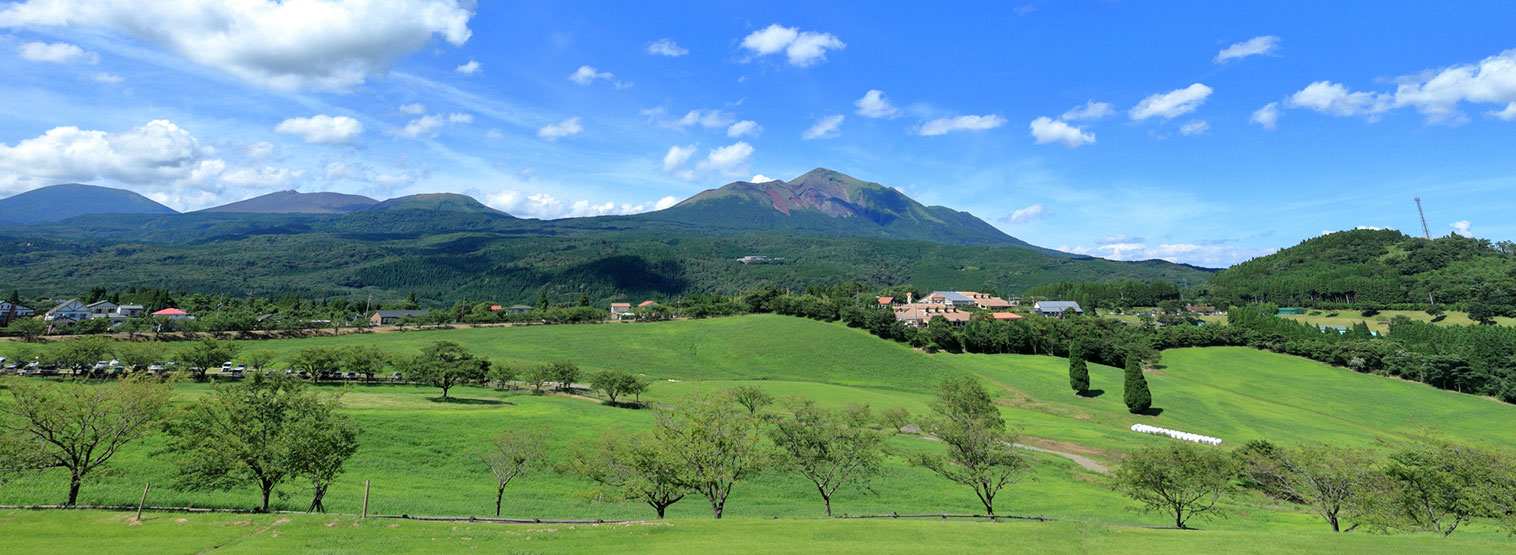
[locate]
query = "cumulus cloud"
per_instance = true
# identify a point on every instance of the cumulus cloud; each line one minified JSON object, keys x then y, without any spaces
{"x":266,"y":177}
{"x":1048,"y":130}
{"x":427,"y":126}
{"x":555,"y":131}
{"x":156,"y":155}
{"x":730,"y":160}
{"x":323,"y":129}
{"x":801,"y":48}
{"x":1436,"y":94}
{"x":677,"y":156}
{"x":1267,"y":116}
{"x":470,"y":68}
{"x":1463,"y":228}
{"x":960,"y":123}
{"x":666,"y":47}
{"x":548,"y":207}
{"x":874,"y":105}
{"x":58,"y":53}
{"x":1255,"y":46}
{"x":586,"y":75}
{"x":828,"y":127}
{"x":1028,"y":214}
{"x":1171,"y":104}
{"x":1090,"y":110}
{"x":1194,"y":127}
{"x":333,"y":45}
{"x":744,"y":128}
{"x":760,"y":178}
{"x":1214,"y":256}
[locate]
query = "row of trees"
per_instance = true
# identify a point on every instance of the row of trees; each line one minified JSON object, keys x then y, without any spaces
{"x":264,"y":432}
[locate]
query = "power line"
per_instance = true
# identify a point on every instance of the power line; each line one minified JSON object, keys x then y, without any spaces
{"x":1423,"y":214}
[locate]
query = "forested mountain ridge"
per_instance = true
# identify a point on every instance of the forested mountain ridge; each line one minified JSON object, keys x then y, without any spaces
{"x":294,"y":202}
{"x":59,"y":202}
{"x":1371,"y":267}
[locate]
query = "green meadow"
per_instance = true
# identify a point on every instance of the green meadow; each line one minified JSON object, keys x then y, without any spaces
{"x":416,"y":450}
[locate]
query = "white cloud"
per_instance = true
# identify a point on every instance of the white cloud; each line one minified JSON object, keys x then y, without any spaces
{"x":413,"y":109}
{"x":828,"y":127}
{"x":730,"y":160}
{"x":666,"y":47}
{"x":393,"y":181}
{"x":470,"y":68}
{"x":261,"y":150}
{"x":107,"y":78}
{"x":424,"y":126}
{"x":1266,"y":44}
{"x":323,"y":129}
{"x":760,"y":178}
{"x":346,"y":170}
{"x":58,"y":53}
{"x":156,"y":155}
{"x":709,"y":119}
{"x":548,"y":207}
{"x":1171,"y":104}
{"x":1508,"y":114}
{"x":802,"y":49}
{"x":1048,"y":130}
{"x":1214,"y":256}
{"x":744,"y":127}
{"x":874,"y":105}
{"x":1028,"y":214}
{"x":561,"y":129}
{"x":1332,"y":98}
{"x":961,"y":123}
{"x":460,"y":118}
{"x":1463,"y":228}
{"x":1267,"y":116}
{"x":677,"y":156}
{"x":266,"y":177}
{"x":1436,"y":94}
{"x":331,"y":45}
{"x":494,"y":134}
{"x":586,"y":75}
{"x":1195,"y":127}
{"x":1090,"y":110}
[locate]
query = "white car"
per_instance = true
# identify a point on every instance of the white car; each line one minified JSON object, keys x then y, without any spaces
{"x":227,"y":366}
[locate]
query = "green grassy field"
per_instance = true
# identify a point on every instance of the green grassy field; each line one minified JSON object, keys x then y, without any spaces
{"x":416,"y":449}
{"x":1379,"y":322}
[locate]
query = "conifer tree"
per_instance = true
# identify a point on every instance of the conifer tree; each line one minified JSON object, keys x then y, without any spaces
{"x":1138,"y":398}
{"x":1079,"y":372}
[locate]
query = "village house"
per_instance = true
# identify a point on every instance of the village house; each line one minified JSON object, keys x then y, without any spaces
{"x":101,"y":309}
{"x":518,"y":309}
{"x":130,"y":310}
{"x":172,"y":314}
{"x":986,"y":301}
{"x":69,"y":311}
{"x":645,"y":304}
{"x":620,"y":310}
{"x":1056,"y":309}
{"x":885,"y":302}
{"x":390,"y":317}
{"x":10,"y":312}
{"x":951,"y":298}
{"x":1006,"y":316}
{"x":919,"y":315}
{"x":1200,"y":309}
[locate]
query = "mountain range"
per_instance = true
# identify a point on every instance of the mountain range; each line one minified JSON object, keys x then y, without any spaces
{"x":60,"y":202}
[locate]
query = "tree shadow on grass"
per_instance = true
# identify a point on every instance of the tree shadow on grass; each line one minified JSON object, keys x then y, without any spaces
{"x":458,"y":401}
{"x":1152,"y":411}
{"x":1091,"y":393}
{"x":633,"y":405}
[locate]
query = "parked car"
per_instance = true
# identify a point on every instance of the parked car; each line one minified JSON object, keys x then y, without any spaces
{"x":352,"y":375}
{"x":397,"y":376}
{"x":226,"y":367}
{"x":240,"y":368}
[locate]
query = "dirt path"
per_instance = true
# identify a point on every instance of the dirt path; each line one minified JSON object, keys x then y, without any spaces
{"x":1081,"y":460}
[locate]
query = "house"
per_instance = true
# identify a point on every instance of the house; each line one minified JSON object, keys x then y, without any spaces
{"x":620,"y":310}
{"x":101,"y":309}
{"x":918,"y":315}
{"x":496,"y":308}
{"x":173,"y":314}
{"x":1056,"y":309}
{"x":645,"y":304}
{"x":70,"y":310}
{"x":885,"y":302}
{"x":390,"y":317}
{"x":1006,"y":316}
{"x":760,"y":260}
{"x":130,"y":310}
{"x":518,"y":309}
{"x":10,"y":312}
{"x":950,"y":298}
{"x":1199,"y":309}
{"x":986,"y":301}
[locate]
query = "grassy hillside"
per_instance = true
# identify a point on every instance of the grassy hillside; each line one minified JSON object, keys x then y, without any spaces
{"x":416,"y":449}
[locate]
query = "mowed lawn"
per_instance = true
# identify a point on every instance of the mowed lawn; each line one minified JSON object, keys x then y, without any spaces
{"x":418,"y":450}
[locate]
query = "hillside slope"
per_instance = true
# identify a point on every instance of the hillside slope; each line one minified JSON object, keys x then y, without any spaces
{"x":293,"y":202}
{"x":1370,"y":266}
{"x":59,"y":202}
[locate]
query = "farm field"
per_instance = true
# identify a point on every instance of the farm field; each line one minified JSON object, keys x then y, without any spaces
{"x":416,"y":449}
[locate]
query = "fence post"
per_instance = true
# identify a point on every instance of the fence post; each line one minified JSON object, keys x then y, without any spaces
{"x":365,"y":499}
{"x":142,"y":502}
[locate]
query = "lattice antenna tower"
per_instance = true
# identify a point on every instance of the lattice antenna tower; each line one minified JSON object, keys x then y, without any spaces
{"x":1424,"y":230}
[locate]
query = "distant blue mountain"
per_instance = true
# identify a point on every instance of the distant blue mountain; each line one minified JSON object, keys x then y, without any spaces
{"x":58,"y":202}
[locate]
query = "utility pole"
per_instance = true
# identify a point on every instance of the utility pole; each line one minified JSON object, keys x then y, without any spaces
{"x":1424,"y":230}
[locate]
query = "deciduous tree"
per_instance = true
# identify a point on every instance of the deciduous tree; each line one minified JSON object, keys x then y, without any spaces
{"x":1178,"y":478}
{"x":716,"y":446}
{"x":979,"y":451}
{"x":445,"y":364}
{"x":638,"y":467}
{"x":1330,"y":480}
{"x":752,"y":398}
{"x":509,"y":455}
{"x":832,"y":449}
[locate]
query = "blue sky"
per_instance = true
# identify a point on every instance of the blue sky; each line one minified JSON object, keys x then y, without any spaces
{"x":1198,"y":132}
